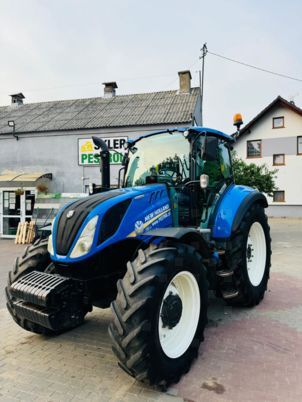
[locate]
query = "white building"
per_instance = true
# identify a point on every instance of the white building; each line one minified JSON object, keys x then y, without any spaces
{"x":274,"y":137}
{"x":49,"y":143}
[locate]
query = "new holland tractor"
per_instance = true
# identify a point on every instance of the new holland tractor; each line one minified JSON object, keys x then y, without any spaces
{"x":176,"y":227}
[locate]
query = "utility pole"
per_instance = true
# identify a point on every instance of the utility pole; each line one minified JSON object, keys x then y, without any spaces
{"x":204,"y":51}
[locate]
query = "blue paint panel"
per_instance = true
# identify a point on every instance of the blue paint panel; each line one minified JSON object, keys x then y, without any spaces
{"x":142,"y":215}
{"x":227,"y":209}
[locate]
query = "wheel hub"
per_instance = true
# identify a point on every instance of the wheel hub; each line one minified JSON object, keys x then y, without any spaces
{"x":179,"y":314}
{"x":171,"y":311}
{"x":249,"y":252}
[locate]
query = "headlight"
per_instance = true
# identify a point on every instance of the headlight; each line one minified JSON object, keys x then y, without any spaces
{"x":84,"y":243}
{"x":50,"y":245}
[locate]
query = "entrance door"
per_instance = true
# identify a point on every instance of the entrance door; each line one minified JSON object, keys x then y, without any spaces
{"x":16,"y":208}
{"x":28,"y":202}
{"x":11,"y":206}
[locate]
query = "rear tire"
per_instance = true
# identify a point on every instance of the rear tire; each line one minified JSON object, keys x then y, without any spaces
{"x":150,"y":309}
{"x":249,"y":258}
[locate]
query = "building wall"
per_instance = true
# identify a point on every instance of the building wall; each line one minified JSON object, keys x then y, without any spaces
{"x":279,"y":141}
{"x":57,"y":153}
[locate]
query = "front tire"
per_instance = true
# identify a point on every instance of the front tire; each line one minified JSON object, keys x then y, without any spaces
{"x":249,"y":259}
{"x":160,"y":313}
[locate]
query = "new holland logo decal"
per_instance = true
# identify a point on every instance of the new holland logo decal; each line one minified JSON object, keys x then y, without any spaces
{"x":151,"y":220}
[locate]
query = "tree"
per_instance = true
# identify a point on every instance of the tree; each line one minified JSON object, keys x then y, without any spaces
{"x":256,"y":176}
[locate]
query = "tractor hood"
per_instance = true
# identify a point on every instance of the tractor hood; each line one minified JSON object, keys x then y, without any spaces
{"x":85,"y":227}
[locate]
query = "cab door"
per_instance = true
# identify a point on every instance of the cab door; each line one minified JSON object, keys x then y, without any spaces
{"x":212,"y":158}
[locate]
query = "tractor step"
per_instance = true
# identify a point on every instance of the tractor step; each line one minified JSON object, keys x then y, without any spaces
{"x":224,"y":273}
{"x":49,"y":300}
{"x":230,"y":294}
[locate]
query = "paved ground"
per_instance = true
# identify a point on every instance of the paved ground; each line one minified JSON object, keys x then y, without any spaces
{"x":248,"y":355}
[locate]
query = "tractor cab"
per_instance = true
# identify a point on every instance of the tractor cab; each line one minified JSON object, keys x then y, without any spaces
{"x":194,"y":164}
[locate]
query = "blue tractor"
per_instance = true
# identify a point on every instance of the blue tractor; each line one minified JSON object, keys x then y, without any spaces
{"x":176,"y":227}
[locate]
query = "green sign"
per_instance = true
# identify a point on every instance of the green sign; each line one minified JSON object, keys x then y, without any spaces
{"x":89,"y":156}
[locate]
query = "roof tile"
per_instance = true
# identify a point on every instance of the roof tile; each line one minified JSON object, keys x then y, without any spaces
{"x":163,"y":107}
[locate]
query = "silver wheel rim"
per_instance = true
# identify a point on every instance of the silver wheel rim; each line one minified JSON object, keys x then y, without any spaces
{"x":175,"y":341}
{"x":256,"y":254}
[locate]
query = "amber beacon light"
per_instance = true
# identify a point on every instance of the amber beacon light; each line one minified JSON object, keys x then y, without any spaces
{"x":237,"y":120}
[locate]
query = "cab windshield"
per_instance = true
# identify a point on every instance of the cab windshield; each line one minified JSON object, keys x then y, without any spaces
{"x":162,"y":158}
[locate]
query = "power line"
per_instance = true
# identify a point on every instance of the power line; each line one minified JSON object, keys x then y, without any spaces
{"x":255,"y":67}
{"x":77,"y":85}
{"x":168,"y":86}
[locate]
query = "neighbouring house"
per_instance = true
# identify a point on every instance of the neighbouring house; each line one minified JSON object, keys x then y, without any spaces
{"x":47,"y":147}
{"x":274,"y":137}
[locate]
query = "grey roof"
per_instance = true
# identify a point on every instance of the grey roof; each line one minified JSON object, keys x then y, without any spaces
{"x":167,"y":107}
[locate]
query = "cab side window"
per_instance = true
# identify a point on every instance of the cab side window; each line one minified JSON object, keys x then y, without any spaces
{"x":211,"y":162}
{"x":225,"y":160}
{"x":214,"y":162}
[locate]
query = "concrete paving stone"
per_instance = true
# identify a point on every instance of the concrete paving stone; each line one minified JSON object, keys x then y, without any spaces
{"x":248,"y":354}
{"x":292,"y":318}
{"x":6,"y":398}
{"x":26,"y":396}
{"x":10,"y":390}
{"x":169,"y":398}
{"x":136,"y":388}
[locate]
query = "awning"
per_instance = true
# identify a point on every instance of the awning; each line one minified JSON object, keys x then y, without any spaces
{"x":24,"y":177}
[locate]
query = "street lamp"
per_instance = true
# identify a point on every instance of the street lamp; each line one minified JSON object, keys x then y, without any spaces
{"x":11,"y":123}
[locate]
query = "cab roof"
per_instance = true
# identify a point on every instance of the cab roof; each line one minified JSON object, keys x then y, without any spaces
{"x":192,"y":129}
{"x":215,"y":133}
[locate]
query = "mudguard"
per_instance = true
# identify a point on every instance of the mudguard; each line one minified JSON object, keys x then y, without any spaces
{"x":185,"y":235}
{"x":231,"y":208}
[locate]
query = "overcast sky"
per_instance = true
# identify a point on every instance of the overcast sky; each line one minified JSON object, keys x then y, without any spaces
{"x":65,"y":49}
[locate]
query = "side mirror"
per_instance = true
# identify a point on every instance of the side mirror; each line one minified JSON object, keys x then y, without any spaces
{"x":204,"y":181}
{"x":210,"y":149}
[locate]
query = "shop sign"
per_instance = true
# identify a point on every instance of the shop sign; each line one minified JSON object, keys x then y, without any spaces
{"x":89,"y":156}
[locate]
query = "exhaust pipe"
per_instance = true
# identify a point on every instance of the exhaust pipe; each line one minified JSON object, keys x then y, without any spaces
{"x":104,"y":161}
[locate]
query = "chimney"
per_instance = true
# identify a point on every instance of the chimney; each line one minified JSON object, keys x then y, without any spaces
{"x":109,"y":89}
{"x":184,"y":82}
{"x":17,"y":99}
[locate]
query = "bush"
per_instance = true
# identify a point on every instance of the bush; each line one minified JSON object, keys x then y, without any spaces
{"x":256,"y":176}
